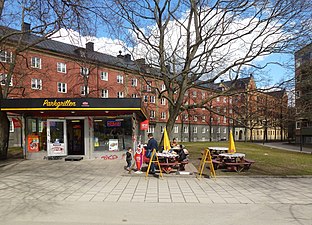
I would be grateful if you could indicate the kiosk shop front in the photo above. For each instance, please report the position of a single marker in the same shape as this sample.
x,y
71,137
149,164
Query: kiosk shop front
x,y
81,127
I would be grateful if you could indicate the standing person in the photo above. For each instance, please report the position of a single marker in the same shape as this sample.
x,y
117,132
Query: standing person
x,y
129,158
151,145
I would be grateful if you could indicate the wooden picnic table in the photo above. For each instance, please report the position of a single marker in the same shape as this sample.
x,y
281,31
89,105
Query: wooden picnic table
x,y
232,162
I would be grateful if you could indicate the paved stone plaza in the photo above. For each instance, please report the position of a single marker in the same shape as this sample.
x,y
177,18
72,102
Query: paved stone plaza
x,y
105,182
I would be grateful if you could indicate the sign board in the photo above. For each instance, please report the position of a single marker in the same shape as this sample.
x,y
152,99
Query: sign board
x,y
113,144
33,143
144,125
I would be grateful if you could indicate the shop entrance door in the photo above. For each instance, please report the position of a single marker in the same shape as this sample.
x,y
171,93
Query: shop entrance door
x,y
56,137
75,137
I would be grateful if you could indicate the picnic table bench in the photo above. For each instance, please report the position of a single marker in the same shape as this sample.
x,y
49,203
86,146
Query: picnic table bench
x,y
233,166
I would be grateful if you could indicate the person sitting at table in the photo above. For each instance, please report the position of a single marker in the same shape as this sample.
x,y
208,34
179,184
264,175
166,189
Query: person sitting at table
x,y
174,143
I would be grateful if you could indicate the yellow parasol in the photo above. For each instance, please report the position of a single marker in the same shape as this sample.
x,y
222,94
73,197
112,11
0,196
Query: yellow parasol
x,y
232,148
166,141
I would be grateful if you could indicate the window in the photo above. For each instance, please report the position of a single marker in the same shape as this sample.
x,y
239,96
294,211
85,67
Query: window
x,y
203,118
36,62
230,100
3,78
5,56
61,87
152,99
148,86
104,76
163,115
36,84
175,129
161,129
195,118
104,93
119,79
212,130
134,95
151,129
195,130
152,114
84,71
163,101
224,99
134,82
224,110
194,94
230,111
145,98
203,130
203,95
163,87
11,126
185,130
224,130
120,94
61,67
224,119
218,99
84,90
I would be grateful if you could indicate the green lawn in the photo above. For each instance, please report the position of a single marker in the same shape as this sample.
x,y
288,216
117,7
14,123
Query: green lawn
x,y
269,161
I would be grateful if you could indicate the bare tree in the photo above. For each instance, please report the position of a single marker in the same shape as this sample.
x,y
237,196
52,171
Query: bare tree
x,y
196,42
47,17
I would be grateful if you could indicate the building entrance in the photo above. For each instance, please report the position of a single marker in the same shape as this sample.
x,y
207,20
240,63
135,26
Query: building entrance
x,y
75,137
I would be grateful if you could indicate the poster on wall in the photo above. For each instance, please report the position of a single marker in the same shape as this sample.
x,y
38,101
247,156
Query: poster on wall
x,y
33,143
113,144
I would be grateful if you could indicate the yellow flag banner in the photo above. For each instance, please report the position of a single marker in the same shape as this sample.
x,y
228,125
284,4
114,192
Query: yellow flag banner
x,y
232,148
166,141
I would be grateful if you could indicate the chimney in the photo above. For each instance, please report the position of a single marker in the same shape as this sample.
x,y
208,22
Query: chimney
x,y
90,46
127,57
140,61
26,27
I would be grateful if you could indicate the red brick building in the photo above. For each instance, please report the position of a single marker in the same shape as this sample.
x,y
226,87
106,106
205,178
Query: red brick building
x,y
99,100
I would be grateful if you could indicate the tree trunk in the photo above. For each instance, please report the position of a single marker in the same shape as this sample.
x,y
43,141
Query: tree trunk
x,y
4,135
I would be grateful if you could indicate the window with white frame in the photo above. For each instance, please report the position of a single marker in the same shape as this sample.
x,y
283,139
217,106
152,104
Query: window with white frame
x,y
224,110
185,117
104,93
219,130
230,100
163,115
175,129
152,114
203,95
134,95
218,99
5,56
230,111
163,101
36,84
3,78
224,119
149,86
195,130
218,119
61,87
151,129
203,118
203,130
224,130
120,94
134,82
61,67
195,118
194,93
104,75
212,130
84,71
145,98
224,99
11,126
84,90
152,99
119,79
185,130
36,62
163,87
231,120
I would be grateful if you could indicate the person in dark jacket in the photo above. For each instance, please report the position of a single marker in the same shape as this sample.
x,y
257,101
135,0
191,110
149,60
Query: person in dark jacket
x,y
151,145
129,158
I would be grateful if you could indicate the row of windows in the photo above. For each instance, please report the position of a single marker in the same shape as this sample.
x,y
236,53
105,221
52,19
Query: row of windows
x,y
218,130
